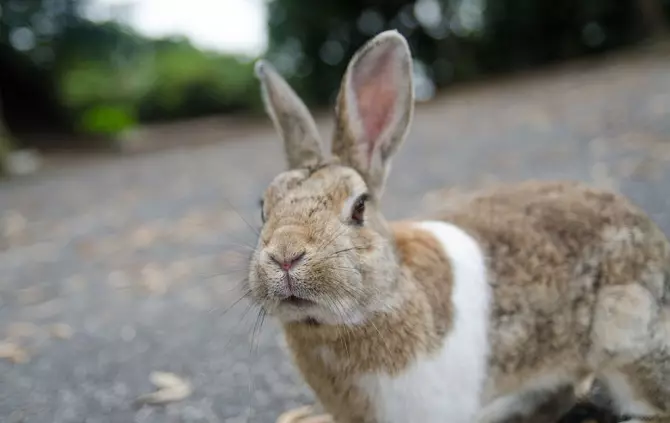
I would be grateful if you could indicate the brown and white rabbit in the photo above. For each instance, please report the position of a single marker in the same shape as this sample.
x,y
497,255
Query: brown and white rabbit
x,y
469,316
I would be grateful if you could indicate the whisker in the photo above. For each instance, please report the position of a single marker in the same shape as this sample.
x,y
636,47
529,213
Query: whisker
x,y
246,295
240,285
241,217
381,337
344,250
344,328
215,275
233,333
336,234
253,352
351,291
352,269
256,328
245,246
338,308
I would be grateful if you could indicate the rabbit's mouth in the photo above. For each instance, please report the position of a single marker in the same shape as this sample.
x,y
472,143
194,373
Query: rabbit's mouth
x,y
297,301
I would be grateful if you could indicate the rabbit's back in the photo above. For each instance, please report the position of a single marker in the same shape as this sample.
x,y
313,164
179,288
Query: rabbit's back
x,y
550,248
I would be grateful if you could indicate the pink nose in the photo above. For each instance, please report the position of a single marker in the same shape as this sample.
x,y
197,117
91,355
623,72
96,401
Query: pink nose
x,y
287,263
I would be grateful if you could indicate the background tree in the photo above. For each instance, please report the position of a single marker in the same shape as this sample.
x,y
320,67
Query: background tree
x,y
62,73
452,40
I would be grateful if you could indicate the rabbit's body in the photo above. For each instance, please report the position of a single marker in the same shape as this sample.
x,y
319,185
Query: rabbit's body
x,y
514,310
475,314
373,372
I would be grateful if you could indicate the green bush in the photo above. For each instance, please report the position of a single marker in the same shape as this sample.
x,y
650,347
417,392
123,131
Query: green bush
x,y
141,80
107,119
190,82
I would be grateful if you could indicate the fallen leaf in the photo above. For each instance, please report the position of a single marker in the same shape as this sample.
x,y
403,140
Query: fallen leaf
x,y
171,388
14,224
61,331
153,279
144,236
13,352
179,269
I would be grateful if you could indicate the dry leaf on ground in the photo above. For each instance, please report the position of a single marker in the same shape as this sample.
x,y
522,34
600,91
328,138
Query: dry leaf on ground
x,y
153,279
14,224
61,331
171,388
13,352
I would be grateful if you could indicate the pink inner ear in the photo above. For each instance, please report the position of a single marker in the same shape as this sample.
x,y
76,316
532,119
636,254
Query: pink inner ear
x,y
376,93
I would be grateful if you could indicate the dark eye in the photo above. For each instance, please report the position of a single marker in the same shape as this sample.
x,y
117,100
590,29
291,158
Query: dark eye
x,y
358,209
261,203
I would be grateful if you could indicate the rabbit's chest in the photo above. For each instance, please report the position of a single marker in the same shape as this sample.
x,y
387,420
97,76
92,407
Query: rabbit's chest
x,y
447,383
444,387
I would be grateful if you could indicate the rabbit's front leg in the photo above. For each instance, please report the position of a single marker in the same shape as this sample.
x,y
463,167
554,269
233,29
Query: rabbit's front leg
x,y
529,406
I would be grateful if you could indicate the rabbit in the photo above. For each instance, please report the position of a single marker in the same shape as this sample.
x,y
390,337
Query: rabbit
x,y
471,314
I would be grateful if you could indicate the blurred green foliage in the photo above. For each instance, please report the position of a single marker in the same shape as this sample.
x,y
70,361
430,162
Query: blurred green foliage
x,y
105,78
186,81
107,119
452,40
112,78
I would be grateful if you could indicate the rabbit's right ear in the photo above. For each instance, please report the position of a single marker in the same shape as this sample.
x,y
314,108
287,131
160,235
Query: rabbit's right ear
x,y
302,142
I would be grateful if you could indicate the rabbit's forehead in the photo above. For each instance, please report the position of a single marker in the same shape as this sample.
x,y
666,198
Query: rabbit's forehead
x,y
326,188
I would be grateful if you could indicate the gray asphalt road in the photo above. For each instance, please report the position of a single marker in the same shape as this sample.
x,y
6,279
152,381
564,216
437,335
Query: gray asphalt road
x,y
111,269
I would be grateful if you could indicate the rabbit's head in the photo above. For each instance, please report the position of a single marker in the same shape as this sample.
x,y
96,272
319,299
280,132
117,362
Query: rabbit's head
x,y
324,253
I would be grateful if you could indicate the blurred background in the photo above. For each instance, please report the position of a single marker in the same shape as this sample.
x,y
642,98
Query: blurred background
x,y
102,68
116,264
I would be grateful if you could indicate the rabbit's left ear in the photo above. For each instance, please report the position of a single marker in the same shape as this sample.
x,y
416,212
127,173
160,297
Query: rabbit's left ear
x,y
375,107
296,126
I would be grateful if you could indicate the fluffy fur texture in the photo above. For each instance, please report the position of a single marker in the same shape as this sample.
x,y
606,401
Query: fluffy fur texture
x,y
420,393
482,312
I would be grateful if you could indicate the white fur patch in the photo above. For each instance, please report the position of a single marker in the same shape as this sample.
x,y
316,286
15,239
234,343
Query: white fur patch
x,y
447,386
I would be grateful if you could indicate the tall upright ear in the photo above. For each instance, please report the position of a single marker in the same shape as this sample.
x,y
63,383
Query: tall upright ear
x,y
302,142
375,107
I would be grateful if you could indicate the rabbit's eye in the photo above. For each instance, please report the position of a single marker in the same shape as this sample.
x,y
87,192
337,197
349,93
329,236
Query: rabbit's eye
x,y
358,210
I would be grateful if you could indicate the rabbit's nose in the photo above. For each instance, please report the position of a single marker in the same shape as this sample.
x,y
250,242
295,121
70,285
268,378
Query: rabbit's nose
x,y
286,262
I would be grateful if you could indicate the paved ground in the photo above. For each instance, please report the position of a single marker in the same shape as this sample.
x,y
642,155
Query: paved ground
x,y
113,268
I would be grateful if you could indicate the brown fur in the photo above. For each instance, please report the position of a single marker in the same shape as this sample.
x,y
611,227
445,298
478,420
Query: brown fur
x,y
291,118
580,277
552,246
545,292
328,356
369,158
